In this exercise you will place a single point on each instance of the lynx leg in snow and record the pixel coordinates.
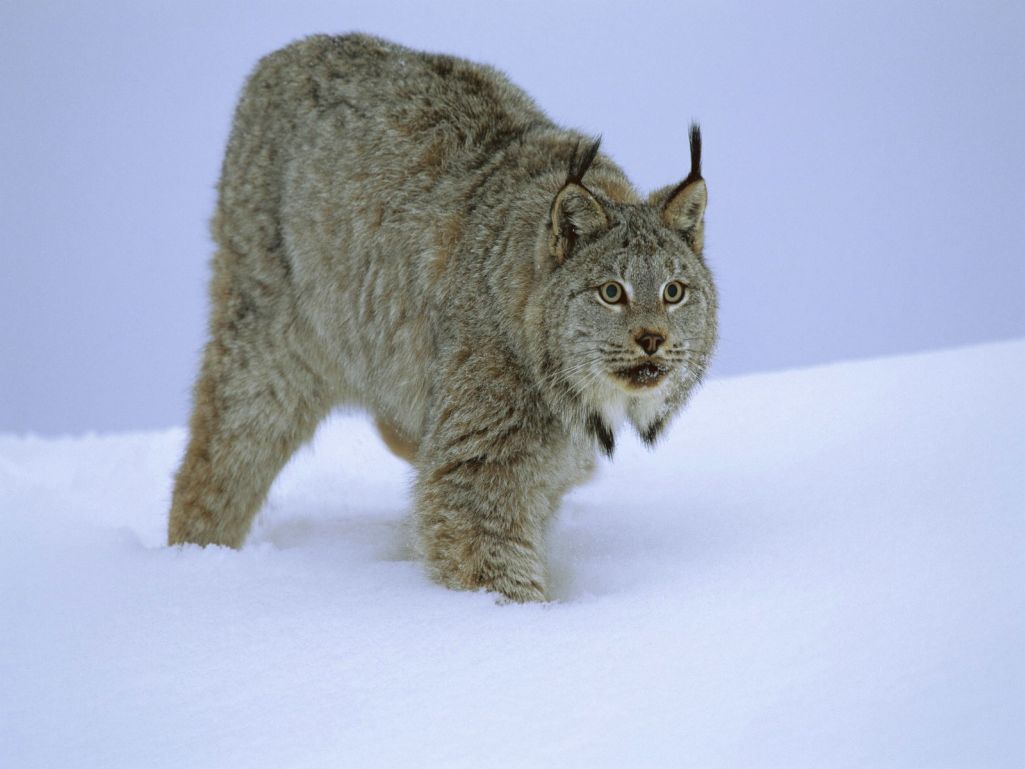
(481, 526)
(252, 409)
(485, 488)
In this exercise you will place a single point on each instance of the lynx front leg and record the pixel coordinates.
(484, 492)
(482, 527)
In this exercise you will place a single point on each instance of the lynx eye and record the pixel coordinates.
(674, 292)
(611, 292)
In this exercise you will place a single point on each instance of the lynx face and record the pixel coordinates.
(647, 316)
(633, 299)
(638, 313)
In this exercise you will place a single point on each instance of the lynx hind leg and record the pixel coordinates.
(256, 401)
(396, 441)
(483, 494)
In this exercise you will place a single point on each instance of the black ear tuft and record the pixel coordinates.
(684, 207)
(583, 156)
(695, 152)
(695, 161)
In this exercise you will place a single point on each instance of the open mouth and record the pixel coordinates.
(646, 374)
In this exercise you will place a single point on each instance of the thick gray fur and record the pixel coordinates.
(407, 233)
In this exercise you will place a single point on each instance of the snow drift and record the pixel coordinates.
(817, 568)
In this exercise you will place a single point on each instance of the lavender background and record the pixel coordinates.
(866, 165)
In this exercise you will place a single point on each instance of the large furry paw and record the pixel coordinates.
(509, 588)
(512, 591)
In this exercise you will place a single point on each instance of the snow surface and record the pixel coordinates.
(818, 568)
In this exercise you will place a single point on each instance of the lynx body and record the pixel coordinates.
(408, 233)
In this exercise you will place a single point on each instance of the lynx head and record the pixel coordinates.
(628, 308)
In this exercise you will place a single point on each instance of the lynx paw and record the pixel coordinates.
(512, 591)
(508, 588)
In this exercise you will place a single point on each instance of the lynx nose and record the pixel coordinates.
(650, 341)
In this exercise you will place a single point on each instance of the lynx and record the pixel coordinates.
(409, 234)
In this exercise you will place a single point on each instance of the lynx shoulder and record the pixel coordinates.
(409, 233)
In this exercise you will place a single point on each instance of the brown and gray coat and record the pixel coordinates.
(408, 233)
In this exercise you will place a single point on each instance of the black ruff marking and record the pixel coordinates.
(601, 432)
(651, 435)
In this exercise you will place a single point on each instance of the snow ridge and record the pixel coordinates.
(817, 568)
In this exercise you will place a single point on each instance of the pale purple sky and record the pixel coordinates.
(866, 167)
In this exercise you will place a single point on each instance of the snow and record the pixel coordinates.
(817, 568)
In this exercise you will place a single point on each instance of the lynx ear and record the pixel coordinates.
(684, 207)
(576, 212)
